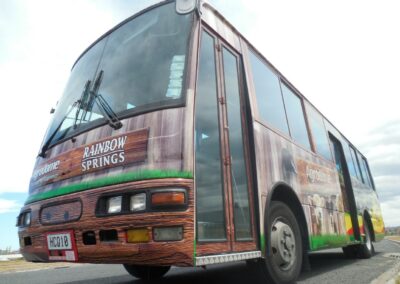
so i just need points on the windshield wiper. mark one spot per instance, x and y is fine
(103, 105)
(46, 145)
(85, 103)
(82, 104)
(76, 104)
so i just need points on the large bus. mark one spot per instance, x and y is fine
(176, 143)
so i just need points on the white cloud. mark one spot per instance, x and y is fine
(390, 211)
(7, 206)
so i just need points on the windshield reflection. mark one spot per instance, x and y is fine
(144, 67)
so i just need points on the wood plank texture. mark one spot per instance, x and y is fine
(154, 141)
(162, 253)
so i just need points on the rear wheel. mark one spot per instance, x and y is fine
(283, 263)
(147, 273)
(350, 251)
(365, 250)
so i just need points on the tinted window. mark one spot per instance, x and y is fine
(209, 193)
(356, 164)
(350, 162)
(143, 67)
(295, 115)
(319, 133)
(241, 208)
(268, 92)
(83, 71)
(137, 72)
(366, 172)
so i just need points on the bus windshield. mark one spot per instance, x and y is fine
(138, 67)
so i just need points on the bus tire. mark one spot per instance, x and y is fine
(350, 251)
(283, 264)
(366, 250)
(146, 273)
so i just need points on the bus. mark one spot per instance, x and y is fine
(177, 143)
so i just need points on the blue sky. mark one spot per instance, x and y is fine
(342, 55)
(8, 216)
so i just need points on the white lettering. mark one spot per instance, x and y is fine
(105, 153)
(107, 146)
(113, 144)
(114, 158)
(121, 157)
(86, 153)
(47, 168)
(121, 142)
(316, 175)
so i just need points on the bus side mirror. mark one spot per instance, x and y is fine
(185, 6)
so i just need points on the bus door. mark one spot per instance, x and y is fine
(224, 200)
(345, 184)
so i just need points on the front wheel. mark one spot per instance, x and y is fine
(285, 254)
(146, 273)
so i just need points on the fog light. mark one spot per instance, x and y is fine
(168, 234)
(138, 202)
(137, 236)
(114, 204)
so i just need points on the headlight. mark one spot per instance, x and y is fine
(27, 219)
(113, 204)
(138, 202)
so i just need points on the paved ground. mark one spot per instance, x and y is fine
(332, 267)
(327, 267)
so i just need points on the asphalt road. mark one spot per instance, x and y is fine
(326, 267)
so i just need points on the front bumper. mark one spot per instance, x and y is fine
(179, 253)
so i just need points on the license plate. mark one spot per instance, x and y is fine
(59, 241)
(61, 246)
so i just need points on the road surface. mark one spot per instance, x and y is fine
(327, 267)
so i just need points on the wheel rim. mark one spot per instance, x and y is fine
(368, 241)
(283, 244)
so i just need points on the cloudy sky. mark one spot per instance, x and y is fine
(344, 56)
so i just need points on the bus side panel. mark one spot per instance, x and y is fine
(367, 200)
(365, 197)
(313, 179)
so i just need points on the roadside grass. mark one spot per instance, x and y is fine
(17, 265)
(393, 238)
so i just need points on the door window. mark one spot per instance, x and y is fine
(241, 210)
(209, 186)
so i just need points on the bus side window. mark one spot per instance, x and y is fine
(295, 115)
(365, 172)
(356, 164)
(318, 131)
(268, 93)
(363, 176)
(350, 161)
